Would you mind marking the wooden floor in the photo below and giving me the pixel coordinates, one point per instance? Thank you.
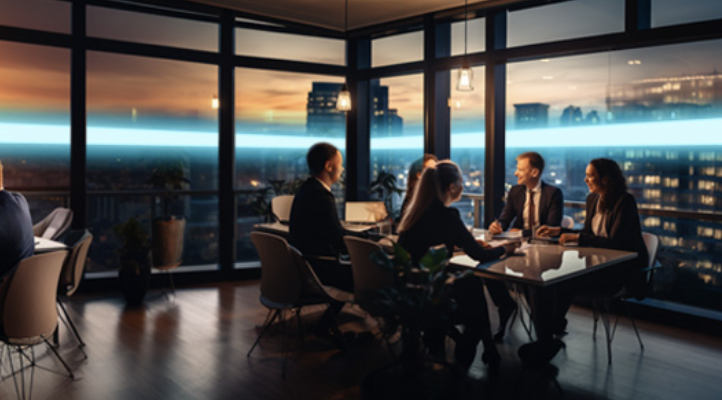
(194, 345)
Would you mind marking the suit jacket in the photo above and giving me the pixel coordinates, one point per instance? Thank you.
(624, 231)
(315, 228)
(16, 231)
(551, 207)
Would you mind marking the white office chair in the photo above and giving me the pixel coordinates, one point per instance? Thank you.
(281, 207)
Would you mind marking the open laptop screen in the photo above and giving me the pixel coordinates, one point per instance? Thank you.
(365, 211)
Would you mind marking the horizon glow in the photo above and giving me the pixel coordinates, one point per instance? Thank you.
(701, 132)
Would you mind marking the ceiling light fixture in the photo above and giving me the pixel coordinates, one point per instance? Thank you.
(343, 101)
(466, 75)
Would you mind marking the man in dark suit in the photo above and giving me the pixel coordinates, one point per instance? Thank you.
(315, 228)
(532, 202)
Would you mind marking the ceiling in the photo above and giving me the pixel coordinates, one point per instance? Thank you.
(330, 13)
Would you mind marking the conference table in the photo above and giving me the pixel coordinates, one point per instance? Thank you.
(542, 265)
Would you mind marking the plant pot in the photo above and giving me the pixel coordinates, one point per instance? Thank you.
(167, 241)
(134, 276)
(432, 380)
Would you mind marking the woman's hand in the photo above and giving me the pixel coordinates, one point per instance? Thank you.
(495, 228)
(569, 238)
(547, 231)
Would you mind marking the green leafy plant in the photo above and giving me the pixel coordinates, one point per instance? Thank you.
(135, 239)
(260, 200)
(168, 176)
(383, 188)
(418, 301)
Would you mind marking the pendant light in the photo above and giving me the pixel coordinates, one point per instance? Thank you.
(343, 101)
(466, 75)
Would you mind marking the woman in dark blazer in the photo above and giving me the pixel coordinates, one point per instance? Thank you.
(430, 222)
(612, 221)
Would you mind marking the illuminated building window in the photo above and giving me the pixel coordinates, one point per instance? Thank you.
(671, 182)
(670, 226)
(718, 234)
(705, 185)
(705, 231)
(652, 222)
(652, 193)
(706, 200)
(708, 171)
(652, 180)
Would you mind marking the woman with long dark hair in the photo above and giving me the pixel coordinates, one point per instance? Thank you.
(415, 170)
(429, 222)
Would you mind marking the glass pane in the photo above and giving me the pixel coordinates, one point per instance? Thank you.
(55, 15)
(152, 29)
(151, 127)
(286, 46)
(671, 12)
(566, 20)
(475, 33)
(35, 124)
(468, 137)
(274, 129)
(397, 127)
(397, 49)
(655, 111)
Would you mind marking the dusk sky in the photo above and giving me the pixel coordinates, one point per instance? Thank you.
(37, 77)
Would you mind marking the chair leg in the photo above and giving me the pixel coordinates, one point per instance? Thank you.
(57, 355)
(69, 322)
(264, 329)
(634, 325)
(604, 315)
(284, 343)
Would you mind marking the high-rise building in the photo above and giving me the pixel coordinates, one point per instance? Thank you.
(531, 115)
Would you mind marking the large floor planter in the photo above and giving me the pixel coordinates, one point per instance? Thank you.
(167, 242)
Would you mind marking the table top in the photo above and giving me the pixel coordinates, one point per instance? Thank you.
(46, 245)
(545, 264)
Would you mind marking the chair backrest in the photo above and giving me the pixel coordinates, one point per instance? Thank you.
(652, 242)
(79, 242)
(28, 309)
(280, 280)
(567, 222)
(365, 211)
(281, 207)
(55, 224)
(367, 276)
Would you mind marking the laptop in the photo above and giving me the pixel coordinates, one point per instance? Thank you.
(362, 215)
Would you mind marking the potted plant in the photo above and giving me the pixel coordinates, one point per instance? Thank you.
(417, 303)
(168, 230)
(260, 200)
(134, 272)
(384, 187)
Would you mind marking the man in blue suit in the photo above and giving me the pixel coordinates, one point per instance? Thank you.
(531, 203)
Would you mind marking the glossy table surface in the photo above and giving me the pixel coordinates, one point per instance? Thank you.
(545, 264)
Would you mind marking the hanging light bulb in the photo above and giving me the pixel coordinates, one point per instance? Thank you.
(343, 101)
(215, 103)
(465, 78)
(466, 75)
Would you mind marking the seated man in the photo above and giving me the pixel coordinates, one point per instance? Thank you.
(315, 228)
(16, 229)
(532, 202)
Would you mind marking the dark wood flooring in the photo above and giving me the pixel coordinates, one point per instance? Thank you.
(193, 346)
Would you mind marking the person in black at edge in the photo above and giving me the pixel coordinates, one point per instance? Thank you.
(430, 222)
(16, 229)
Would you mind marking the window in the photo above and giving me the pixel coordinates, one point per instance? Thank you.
(398, 49)
(131, 26)
(565, 20)
(147, 115)
(396, 124)
(35, 124)
(256, 43)
(574, 109)
(671, 12)
(468, 138)
(476, 36)
(274, 130)
(54, 17)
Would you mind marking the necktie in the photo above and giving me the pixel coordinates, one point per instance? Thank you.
(531, 218)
